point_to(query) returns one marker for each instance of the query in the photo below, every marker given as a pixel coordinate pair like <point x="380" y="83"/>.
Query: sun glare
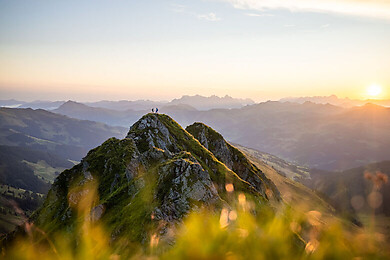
<point x="374" y="90"/>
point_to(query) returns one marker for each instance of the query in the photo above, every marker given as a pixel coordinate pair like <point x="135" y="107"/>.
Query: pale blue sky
<point x="112" y="49"/>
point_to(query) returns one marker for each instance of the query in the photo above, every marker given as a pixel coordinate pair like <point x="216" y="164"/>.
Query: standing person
<point x="156" y="110"/>
<point x="152" y="110"/>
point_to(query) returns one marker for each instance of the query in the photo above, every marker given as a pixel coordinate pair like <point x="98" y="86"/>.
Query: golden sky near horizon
<point x="164" y="49"/>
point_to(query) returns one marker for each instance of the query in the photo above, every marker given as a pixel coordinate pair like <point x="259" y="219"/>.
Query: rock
<point x="97" y="212"/>
<point x="188" y="182"/>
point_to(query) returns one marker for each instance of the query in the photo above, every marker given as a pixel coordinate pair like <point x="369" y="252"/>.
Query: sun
<point x="374" y="90"/>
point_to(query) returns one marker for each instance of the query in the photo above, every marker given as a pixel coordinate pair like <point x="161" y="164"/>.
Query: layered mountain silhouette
<point x="104" y="115"/>
<point x="319" y="136"/>
<point x="212" y="102"/>
<point x="157" y="174"/>
<point x="334" y="100"/>
<point x="197" y="101"/>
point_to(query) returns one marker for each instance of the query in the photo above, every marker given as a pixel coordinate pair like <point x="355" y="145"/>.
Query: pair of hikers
<point x="155" y="109"/>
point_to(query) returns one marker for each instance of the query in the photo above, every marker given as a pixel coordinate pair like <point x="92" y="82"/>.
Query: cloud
<point x="367" y="8"/>
<point x="258" y="15"/>
<point x="212" y="17"/>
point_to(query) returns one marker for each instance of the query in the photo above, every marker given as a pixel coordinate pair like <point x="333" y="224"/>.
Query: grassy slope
<point x="15" y="206"/>
<point x="24" y="169"/>
<point x="288" y="169"/>
<point x="292" y="192"/>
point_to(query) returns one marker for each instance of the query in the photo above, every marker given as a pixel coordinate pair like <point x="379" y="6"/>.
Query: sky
<point x="89" y="50"/>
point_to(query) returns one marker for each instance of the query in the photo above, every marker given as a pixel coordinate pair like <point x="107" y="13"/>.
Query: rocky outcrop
<point x="158" y="173"/>
<point x="183" y="184"/>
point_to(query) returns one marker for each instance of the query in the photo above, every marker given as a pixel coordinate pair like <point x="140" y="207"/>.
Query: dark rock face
<point x="158" y="173"/>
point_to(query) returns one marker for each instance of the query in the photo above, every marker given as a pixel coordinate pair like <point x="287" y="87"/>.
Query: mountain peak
<point x="371" y="105"/>
<point x="71" y="104"/>
<point x="158" y="170"/>
<point x="155" y="130"/>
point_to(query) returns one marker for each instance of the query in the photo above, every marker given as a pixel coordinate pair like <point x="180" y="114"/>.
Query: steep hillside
<point x="149" y="181"/>
<point x="292" y="192"/>
<point x="25" y="176"/>
<point x="46" y="131"/>
<point x="285" y="168"/>
<point x="16" y="205"/>
<point x="17" y="168"/>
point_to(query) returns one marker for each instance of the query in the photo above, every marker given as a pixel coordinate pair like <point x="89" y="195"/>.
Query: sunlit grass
<point x="244" y="230"/>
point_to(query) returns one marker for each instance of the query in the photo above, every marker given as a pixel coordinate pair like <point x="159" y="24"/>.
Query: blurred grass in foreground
<point x="242" y="231"/>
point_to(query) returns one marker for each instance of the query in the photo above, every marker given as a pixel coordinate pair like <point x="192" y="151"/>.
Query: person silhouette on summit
<point x="156" y="110"/>
<point x="152" y="110"/>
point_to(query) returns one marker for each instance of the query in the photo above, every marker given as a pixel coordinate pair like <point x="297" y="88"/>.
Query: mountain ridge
<point x="160" y="170"/>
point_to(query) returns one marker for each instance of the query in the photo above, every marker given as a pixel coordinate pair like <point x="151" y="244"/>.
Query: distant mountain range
<point x="112" y="117"/>
<point x="319" y="136"/>
<point x="212" y="102"/>
<point x="313" y="135"/>
<point x="124" y="105"/>
<point x="198" y="102"/>
<point x="334" y="100"/>
<point x="47" y="105"/>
